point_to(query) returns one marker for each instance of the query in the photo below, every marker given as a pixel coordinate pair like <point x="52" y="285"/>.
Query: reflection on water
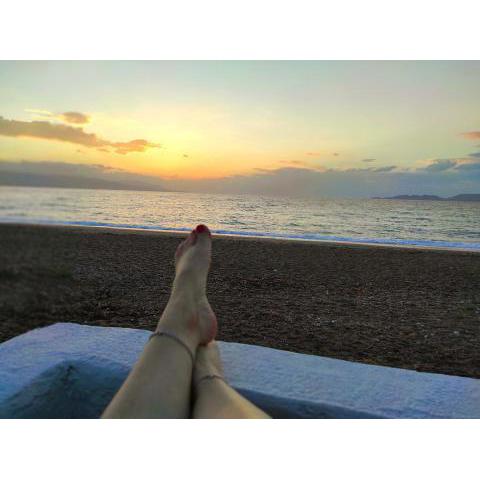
<point x="454" y="224"/>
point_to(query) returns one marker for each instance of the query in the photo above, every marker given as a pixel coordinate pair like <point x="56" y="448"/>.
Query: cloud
<point x="77" y="118"/>
<point x="66" y="133"/>
<point x="318" y="154"/>
<point x="294" y="162"/>
<point x="369" y="160"/>
<point x="473" y="167"/>
<point x="440" y="165"/>
<point x="74" y="175"/>
<point x="384" y="169"/>
<point x="461" y="177"/>
<point x="452" y="165"/>
<point x="49" y="131"/>
<point x="133" y="146"/>
<point x="74" y="117"/>
<point x="472" y="135"/>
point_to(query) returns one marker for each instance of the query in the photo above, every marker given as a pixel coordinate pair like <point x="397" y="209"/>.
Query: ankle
<point x="206" y="366"/>
<point x="190" y="339"/>
<point x="182" y="320"/>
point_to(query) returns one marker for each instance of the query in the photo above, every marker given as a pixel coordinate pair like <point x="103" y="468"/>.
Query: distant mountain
<point x="463" y="197"/>
<point x="71" y="181"/>
<point x="466" y="197"/>
<point x="411" y="197"/>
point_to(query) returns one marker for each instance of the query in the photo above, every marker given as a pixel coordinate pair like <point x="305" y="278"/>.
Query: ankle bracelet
<point x="173" y="336"/>
<point x="209" y="377"/>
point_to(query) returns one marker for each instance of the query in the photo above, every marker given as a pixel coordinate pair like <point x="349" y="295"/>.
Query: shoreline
<point x="178" y="232"/>
<point x="412" y="308"/>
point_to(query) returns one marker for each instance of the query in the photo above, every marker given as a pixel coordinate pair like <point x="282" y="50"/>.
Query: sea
<point x="443" y="224"/>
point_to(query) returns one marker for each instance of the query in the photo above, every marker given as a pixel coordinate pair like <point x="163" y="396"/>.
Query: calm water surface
<point x="441" y="224"/>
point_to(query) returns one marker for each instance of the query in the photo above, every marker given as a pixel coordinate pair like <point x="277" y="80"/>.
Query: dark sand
<point x="409" y="308"/>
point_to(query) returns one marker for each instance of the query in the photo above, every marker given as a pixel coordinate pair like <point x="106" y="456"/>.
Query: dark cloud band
<point x="66" y="133"/>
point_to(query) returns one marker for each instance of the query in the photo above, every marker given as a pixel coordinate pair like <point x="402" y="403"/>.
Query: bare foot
<point x="188" y="313"/>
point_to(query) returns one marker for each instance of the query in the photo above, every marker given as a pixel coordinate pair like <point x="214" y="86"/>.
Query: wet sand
<point x="402" y="307"/>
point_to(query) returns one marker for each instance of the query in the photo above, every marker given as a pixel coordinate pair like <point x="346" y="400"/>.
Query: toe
<point x="204" y="237"/>
<point x="191" y="239"/>
<point x="203" y="229"/>
<point x="179" y="251"/>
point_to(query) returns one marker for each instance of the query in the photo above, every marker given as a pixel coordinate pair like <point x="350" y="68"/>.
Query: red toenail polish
<point x="201" y="228"/>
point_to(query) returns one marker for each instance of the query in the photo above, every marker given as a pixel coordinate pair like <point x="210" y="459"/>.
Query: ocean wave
<point x="255" y="234"/>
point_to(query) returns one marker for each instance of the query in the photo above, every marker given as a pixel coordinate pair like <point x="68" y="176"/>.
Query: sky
<point x="347" y="128"/>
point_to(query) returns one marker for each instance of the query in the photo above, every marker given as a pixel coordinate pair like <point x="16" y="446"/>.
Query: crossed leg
<point x="213" y="397"/>
<point x="160" y="383"/>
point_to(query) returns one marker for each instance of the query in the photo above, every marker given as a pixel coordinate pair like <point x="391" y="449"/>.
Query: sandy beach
<point x="410" y="308"/>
